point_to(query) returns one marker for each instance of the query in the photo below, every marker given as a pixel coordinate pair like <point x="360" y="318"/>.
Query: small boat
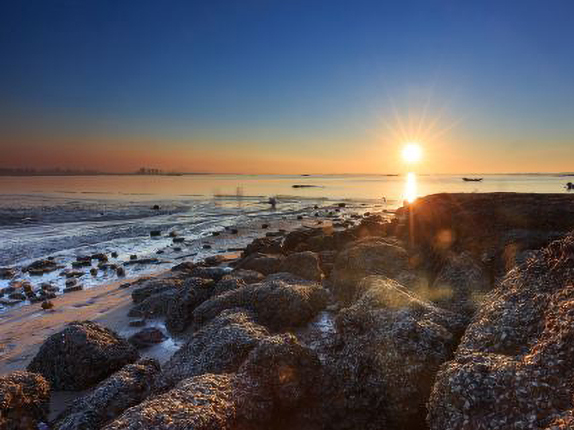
<point x="472" y="179"/>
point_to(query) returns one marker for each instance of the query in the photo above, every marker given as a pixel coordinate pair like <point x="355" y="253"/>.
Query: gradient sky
<point x="313" y="86"/>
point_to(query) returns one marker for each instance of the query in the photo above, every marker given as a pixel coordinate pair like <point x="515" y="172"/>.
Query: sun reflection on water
<point x="410" y="194"/>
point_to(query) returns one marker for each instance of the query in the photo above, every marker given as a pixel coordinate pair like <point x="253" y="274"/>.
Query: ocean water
<point x="66" y="217"/>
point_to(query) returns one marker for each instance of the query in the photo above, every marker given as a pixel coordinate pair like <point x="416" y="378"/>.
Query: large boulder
<point x="262" y="263"/>
<point x="493" y="227"/>
<point x="264" y="245"/>
<point x="221" y="346"/>
<point x="124" y="389"/>
<point x="515" y="364"/>
<point x="461" y="284"/>
<point x="276" y="303"/>
<point x="366" y="257"/>
<point x="81" y="355"/>
<point x="148" y="287"/>
<point x="155" y="305"/>
<point x="180" y="310"/>
<point x="281" y="377"/>
<point x="304" y="264"/>
<point x="24" y="401"/>
<point x="389" y="347"/>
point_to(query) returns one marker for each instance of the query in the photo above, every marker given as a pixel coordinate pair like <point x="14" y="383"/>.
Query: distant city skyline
<point x="314" y="87"/>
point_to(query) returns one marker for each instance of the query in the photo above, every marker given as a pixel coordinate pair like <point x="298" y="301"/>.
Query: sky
<point x="265" y="86"/>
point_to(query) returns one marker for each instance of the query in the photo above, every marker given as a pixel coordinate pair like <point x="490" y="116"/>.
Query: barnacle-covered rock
<point x="461" y="284"/>
<point x="278" y="303"/>
<point x="81" y="355"/>
<point x="374" y="256"/>
<point x="390" y="346"/>
<point x="269" y="389"/>
<point x="124" y="389"/>
<point x="220" y="346"/>
<point x="24" y="400"/>
<point x="514" y="366"/>
<point x="304" y="264"/>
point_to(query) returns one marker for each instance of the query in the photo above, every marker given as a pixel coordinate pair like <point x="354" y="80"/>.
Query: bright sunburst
<point x="412" y="153"/>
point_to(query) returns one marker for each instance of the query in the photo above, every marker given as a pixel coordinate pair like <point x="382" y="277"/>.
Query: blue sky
<point x="293" y="78"/>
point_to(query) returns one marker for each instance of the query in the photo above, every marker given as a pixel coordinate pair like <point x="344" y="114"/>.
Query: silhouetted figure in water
<point x="273" y="202"/>
<point x="570" y="186"/>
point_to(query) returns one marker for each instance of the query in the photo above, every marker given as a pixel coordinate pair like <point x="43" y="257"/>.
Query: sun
<point x="412" y="153"/>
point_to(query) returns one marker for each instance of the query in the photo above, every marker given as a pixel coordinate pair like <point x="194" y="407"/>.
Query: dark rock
<point x="514" y="364"/>
<point x="71" y="282"/>
<point x="247" y="276"/>
<point x="133" y="257"/>
<point x="206" y="246"/>
<point x="363" y="258"/>
<point x="101" y="257"/>
<point x="47" y="305"/>
<point x="178" y="239"/>
<point x="73" y="288"/>
<point x="215" y="273"/>
<point x="155" y="233"/>
<point x="180" y="310"/>
<point x="17" y="296"/>
<point x="275" y="303"/>
<point x="120" y="271"/>
<point x="147" y="337"/>
<point x="227" y="284"/>
<point x="493" y="227"/>
<point x="205" y="402"/>
<point x="221" y="346"/>
<point x="186" y="266"/>
<point x="280" y="376"/>
<point x="79" y="264"/>
<point x="7" y="273"/>
<point x="149" y="286"/>
<point x="274" y="383"/>
<point x="81" y="355"/>
<point x="137" y="323"/>
<point x="114" y="254"/>
<point x="264" y="226"/>
<point x="390" y="346"/>
<point x="461" y="284"/>
<point x="342" y="205"/>
<point x="94" y="271"/>
<point x="155" y="207"/>
<point x="155" y="305"/>
<point x="122" y="390"/>
<point x="234" y="231"/>
<point x="263" y="245"/>
<point x="43" y="265"/>
<point x="262" y="263"/>
<point x="73" y="274"/>
<point x="24" y="401"/>
<point x="303" y="264"/>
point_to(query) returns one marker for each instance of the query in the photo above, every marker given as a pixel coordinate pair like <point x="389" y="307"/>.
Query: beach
<point x="298" y="283"/>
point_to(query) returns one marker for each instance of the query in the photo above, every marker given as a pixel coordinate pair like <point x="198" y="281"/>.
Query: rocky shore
<point x="457" y="313"/>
